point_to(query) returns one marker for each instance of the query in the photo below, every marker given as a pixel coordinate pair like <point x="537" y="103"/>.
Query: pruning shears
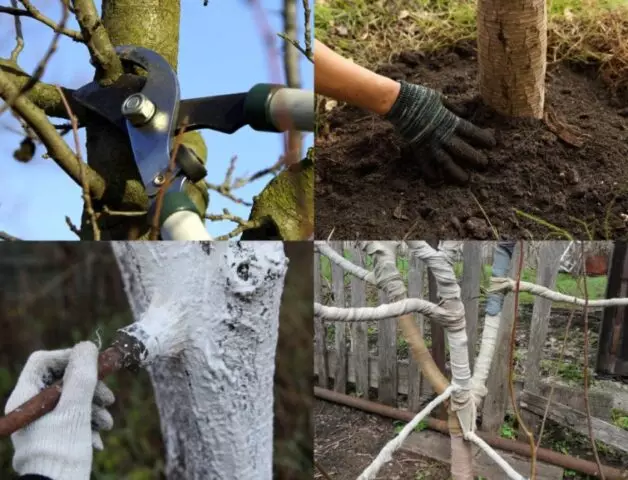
<point x="154" y="116"/>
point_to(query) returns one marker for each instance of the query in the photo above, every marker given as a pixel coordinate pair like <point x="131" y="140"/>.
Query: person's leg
<point x="339" y="78"/>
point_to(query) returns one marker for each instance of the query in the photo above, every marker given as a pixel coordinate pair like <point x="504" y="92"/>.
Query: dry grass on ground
<point x="372" y="32"/>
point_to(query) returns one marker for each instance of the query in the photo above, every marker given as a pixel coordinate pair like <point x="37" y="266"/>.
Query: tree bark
<point x="512" y="51"/>
<point x="214" y="393"/>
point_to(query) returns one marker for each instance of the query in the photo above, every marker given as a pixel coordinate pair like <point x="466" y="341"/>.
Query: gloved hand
<point x="59" y="444"/>
<point x="422" y="118"/>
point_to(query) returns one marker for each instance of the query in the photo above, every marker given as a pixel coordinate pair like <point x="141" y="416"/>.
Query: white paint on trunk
<point x="209" y="315"/>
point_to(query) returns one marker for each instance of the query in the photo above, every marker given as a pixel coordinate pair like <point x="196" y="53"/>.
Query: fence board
<point x="359" y="338"/>
<point x="387" y="364"/>
<point x="416" y="381"/>
<point x="600" y="401"/>
<point x="340" y="328"/>
<point x="320" y="349"/>
<point x="576" y="420"/>
<point x="494" y="408"/>
<point x="470" y="292"/>
<point x="546" y="274"/>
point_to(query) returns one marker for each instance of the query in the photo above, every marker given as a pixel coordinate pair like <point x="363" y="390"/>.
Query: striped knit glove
<point x="60" y="444"/>
<point x="422" y="118"/>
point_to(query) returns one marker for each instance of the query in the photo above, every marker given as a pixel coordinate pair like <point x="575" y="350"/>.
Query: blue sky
<point x="220" y="51"/>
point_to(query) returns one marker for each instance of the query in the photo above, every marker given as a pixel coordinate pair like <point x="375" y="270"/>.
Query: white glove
<point x="59" y="444"/>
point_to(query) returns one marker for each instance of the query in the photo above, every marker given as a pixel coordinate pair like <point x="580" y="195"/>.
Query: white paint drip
<point x="211" y="332"/>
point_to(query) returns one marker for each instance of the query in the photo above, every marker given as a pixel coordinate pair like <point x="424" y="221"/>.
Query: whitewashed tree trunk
<point x="214" y="382"/>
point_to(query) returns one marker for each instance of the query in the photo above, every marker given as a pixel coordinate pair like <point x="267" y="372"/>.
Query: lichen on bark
<point x="285" y="205"/>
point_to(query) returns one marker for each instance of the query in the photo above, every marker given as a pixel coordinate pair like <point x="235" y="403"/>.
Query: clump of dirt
<point x="369" y="186"/>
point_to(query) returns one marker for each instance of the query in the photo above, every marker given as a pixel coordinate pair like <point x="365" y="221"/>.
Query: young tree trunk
<point x="215" y="392"/>
<point x="512" y="50"/>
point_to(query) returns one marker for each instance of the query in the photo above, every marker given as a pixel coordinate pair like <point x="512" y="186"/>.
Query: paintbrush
<point x="156" y="334"/>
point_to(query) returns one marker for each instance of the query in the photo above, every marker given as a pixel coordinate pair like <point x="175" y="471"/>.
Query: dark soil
<point x="369" y="187"/>
<point x="348" y="440"/>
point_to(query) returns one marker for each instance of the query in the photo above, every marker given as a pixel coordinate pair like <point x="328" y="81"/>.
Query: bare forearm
<point x="339" y="78"/>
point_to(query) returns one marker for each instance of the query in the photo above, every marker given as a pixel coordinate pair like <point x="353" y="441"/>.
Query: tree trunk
<point x="215" y="396"/>
<point x="151" y="24"/>
<point x="512" y="50"/>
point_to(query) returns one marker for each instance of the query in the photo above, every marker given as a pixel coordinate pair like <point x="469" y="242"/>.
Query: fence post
<point x="320" y="331"/>
<point x="612" y="354"/>
<point x="359" y="338"/>
<point x="416" y="384"/>
<point x="387" y="357"/>
<point x="546" y="274"/>
<point x="494" y="408"/>
<point x="470" y="291"/>
<point x="340" y="328"/>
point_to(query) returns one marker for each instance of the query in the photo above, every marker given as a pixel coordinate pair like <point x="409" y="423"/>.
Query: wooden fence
<point x="347" y="354"/>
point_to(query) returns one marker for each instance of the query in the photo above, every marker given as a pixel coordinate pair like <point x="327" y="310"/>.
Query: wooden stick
<point x="124" y="353"/>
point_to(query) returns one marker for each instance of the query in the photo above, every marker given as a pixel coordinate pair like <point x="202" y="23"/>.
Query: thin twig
<point x="32" y="12"/>
<point x="117" y="213"/>
<point x="587" y="405"/>
<point x="511" y="355"/>
<point x="488" y="220"/>
<point x="84" y="183"/>
<point x="57" y="149"/>
<point x="41" y="66"/>
<point x="240" y="229"/>
<point x="556" y="373"/>
<point x="243" y="225"/>
<point x="307" y="13"/>
<point x="19" y="37"/>
<point x="296" y="45"/>
<point x="72" y="227"/>
<point x="226" y="216"/>
<point x="321" y="470"/>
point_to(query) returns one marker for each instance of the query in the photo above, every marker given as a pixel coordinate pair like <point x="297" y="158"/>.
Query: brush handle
<point x="109" y="361"/>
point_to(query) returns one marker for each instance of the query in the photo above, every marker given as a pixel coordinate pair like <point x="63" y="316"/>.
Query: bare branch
<point x="307" y="14"/>
<point x="32" y="12"/>
<point x="19" y="37"/>
<point x="296" y="45"/>
<point x="84" y="184"/>
<point x="43" y="95"/>
<point x="41" y="66"/>
<point x="243" y="225"/>
<point x="103" y="55"/>
<point x="72" y="227"/>
<point x="58" y="150"/>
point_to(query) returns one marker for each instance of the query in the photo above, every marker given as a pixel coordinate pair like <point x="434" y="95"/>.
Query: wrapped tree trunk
<point x="214" y="391"/>
<point x="512" y="50"/>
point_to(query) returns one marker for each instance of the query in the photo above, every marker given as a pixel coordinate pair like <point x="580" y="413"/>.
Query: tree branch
<point x="32" y="12"/>
<point x="43" y="95"/>
<point x="58" y="150"/>
<point x="104" y="58"/>
<point x="41" y="66"/>
<point x="87" y="199"/>
<point x="19" y="37"/>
